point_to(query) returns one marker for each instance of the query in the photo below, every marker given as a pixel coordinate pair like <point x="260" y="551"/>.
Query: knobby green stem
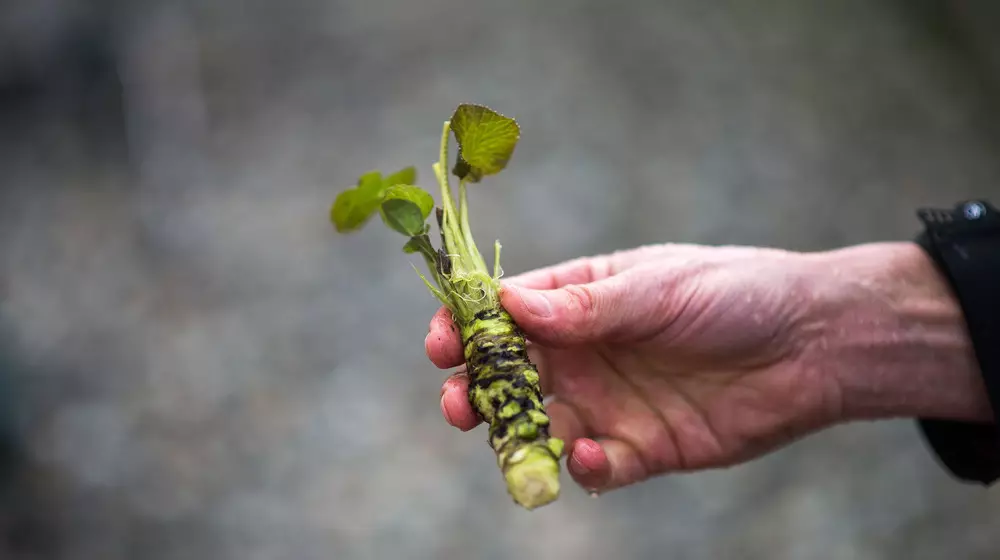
<point x="504" y="389"/>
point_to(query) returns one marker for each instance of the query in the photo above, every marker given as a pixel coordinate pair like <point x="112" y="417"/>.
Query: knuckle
<point x="582" y="298"/>
<point x="599" y="269"/>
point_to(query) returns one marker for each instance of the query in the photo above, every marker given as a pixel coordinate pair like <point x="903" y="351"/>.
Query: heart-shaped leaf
<point x="343" y="213"/>
<point x="352" y="208"/>
<point x="486" y="141"/>
<point x="404" y="216"/>
<point x="416" y="195"/>
<point x="371" y="184"/>
<point x="398" y="216"/>
<point x="406" y="176"/>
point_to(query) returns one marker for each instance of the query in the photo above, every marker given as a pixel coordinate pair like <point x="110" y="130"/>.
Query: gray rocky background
<point x="194" y="366"/>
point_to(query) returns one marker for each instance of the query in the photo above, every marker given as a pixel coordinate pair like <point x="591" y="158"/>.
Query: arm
<point x="893" y="336"/>
<point x="678" y="358"/>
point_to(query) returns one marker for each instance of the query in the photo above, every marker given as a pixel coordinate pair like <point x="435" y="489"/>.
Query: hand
<point x="675" y="358"/>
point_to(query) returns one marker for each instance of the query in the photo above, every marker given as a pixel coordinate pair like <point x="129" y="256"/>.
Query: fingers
<point x="577" y="271"/>
<point x="604" y="466"/>
<point x="591" y="269"/>
<point x="455" y="406"/>
<point x="577" y="314"/>
<point x="595" y="466"/>
<point x="443" y="343"/>
<point x="566" y="423"/>
<point x="458" y="412"/>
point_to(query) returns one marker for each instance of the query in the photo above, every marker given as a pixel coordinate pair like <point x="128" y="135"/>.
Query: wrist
<point x="891" y="337"/>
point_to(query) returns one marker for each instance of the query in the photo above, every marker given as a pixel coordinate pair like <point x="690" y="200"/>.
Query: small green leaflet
<point x="403" y="216"/>
<point x="420" y="243"/>
<point x="407" y="176"/>
<point x="405" y="208"/>
<point x="353" y="207"/>
<point x="486" y="141"/>
<point x="413" y="245"/>
<point x="416" y="195"/>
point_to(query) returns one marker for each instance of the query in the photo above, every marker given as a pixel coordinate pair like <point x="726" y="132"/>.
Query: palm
<point x="706" y="377"/>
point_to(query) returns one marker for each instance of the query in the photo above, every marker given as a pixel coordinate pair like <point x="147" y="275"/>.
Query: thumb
<point x="604" y="310"/>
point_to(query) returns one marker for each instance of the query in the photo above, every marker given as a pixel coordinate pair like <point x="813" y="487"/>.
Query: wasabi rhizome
<point x="504" y="386"/>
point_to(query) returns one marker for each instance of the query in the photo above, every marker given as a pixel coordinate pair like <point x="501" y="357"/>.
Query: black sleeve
<point x="965" y="244"/>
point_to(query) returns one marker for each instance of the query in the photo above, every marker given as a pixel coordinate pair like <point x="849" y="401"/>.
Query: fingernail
<point x="536" y="303"/>
<point x="578" y="467"/>
<point x="444" y="411"/>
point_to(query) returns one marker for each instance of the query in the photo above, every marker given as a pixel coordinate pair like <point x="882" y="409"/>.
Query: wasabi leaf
<point x="404" y="216"/>
<point x="420" y="243"/>
<point x="352" y="208"/>
<point x="486" y="141"/>
<point x="371" y="184"/>
<point x="413" y="245"/>
<point x="344" y="211"/>
<point x="407" y="176"/>
<point x="416" y="195"/>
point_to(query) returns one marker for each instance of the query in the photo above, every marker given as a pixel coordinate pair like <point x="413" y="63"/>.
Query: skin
<point x="676" y="358"/>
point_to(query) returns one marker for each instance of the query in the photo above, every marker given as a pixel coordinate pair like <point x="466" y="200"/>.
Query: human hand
<point x="676" y="358"/>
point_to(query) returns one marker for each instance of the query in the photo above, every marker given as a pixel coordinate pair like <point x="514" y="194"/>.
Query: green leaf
<point x="420" y="243"/>
<point x="343" y="207"/>
<point x="371" y="184"/>
<point x="416" y="195"/>
<point x="486" y="141"/>
<point x="407" y="176"/>
<point x="352" y="208"/>
<point x="413" y="245"/>
<point x="404" y="216"/>
<point x="397" y="210"/>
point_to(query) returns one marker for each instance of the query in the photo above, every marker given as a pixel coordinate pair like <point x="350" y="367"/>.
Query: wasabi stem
<point x="504" y="390"/>
<point x="504" y="385"/>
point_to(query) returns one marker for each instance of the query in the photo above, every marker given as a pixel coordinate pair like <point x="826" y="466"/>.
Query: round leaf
<point x="351" y="211"/>
<point x="416" y="195"/>
<point x="486" y="141"/>
<point x="407" y="176"/>
<point x="403" y="216"/>
<point x="352" y="208"/>
<point x="370" y="185"/>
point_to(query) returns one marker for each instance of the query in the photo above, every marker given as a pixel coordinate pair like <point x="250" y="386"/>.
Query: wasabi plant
<point x="504" y="388"/>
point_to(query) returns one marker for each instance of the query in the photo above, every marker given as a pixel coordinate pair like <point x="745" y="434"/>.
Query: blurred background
<point x="194" y="365"/>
